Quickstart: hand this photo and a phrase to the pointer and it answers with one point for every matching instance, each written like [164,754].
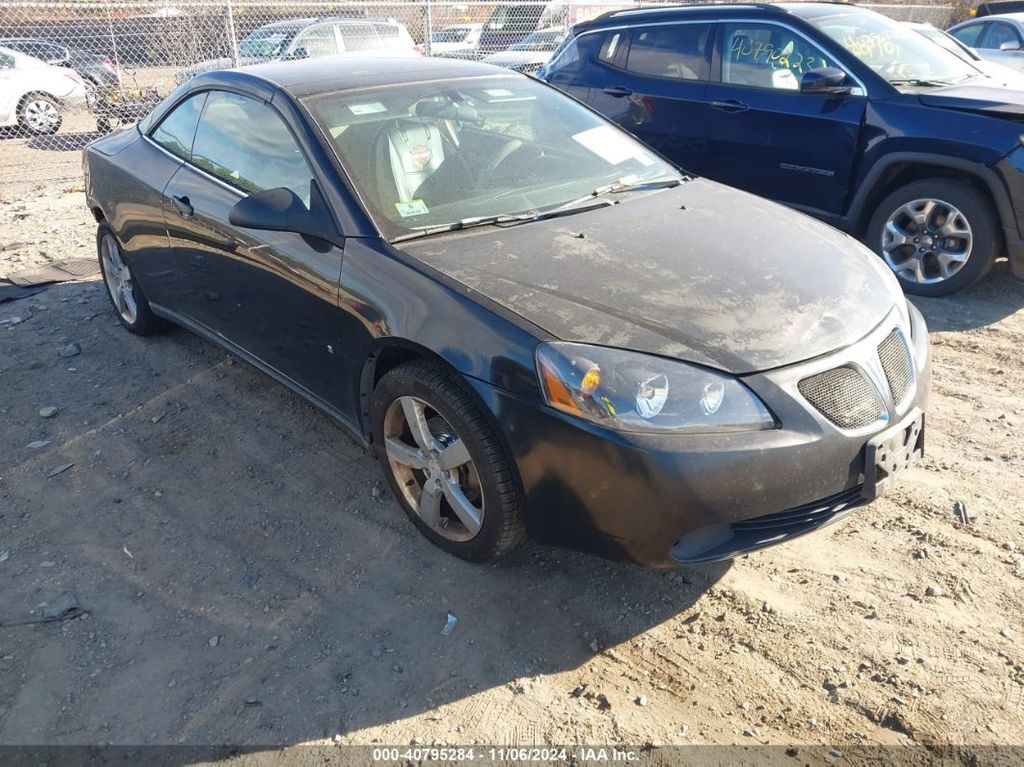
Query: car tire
[39,114]
[123,290]
[960,223]
[487,480]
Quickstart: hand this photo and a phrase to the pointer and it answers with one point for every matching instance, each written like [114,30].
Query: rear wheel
[124,292]
[445,463]
[39,113]
[937,235]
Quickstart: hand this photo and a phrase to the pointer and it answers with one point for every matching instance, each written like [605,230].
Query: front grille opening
[844,396]
[895,358]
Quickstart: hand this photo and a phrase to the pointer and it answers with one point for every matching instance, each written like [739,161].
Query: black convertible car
[538,325]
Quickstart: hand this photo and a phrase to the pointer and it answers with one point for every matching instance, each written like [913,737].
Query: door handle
[183,205]
[730,105]
[618,91]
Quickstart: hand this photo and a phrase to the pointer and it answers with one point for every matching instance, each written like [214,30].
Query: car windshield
[540,41]
[948,42]
[897,53]
[433,154]
[450,35]
[266,43]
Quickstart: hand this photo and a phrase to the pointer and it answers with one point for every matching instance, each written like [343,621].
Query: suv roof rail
[702,4]
[698,5]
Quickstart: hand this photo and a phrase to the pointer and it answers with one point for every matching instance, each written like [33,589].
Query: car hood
[702,272]
[513,59]
[977,97]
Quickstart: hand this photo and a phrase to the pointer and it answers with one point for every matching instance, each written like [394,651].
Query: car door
[166,146]
[9,91]
[652,80]
[270,294]
[1001,42]
[770,138]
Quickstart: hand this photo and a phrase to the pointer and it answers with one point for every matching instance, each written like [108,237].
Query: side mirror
[1009,45]
[827,80]
[299,53]
[281,210]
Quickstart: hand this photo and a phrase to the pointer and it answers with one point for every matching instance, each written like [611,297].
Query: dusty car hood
[702,272]
[989,99]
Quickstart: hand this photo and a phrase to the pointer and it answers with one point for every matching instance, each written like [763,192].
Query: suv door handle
[730,105]
[618,91]
[184,206]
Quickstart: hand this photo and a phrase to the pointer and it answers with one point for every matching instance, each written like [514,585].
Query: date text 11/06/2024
[582,754]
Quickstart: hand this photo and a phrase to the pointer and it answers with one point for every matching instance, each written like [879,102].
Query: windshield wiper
[505,218]
[617,186]
[920,83]
[596,199]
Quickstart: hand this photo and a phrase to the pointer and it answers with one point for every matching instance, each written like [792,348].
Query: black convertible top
[323,75]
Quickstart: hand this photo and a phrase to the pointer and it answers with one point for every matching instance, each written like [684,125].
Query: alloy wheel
[118,279]
[40,115]
[926,241]
[433,468]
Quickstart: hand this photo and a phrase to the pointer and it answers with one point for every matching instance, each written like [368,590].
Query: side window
[998,33]
[358,37]
[318,41]
[176,131]
[245,143]
[613,48]
[49,52]
[675,51]
[768,56]
[6,61]
[969,35]
[565,59]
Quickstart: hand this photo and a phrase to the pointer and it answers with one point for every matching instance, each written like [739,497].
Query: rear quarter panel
[125,177]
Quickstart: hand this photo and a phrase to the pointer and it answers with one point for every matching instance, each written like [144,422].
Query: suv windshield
[897,53]
[433,154]
[267,42]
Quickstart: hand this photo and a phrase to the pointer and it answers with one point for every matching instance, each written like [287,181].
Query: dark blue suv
[832,109]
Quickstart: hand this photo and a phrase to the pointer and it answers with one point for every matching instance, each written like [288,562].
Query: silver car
[995,38]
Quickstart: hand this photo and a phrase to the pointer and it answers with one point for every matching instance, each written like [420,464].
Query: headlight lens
[638,392]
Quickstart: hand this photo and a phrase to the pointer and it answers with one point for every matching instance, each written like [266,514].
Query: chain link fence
[71,70]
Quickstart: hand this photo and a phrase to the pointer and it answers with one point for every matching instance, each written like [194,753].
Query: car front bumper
[662,500]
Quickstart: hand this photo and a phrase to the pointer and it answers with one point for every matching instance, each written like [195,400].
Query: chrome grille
[844,396]
[895,359]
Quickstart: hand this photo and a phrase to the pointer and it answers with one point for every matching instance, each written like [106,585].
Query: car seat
[408,151]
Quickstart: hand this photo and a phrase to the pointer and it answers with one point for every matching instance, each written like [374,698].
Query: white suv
[313,38]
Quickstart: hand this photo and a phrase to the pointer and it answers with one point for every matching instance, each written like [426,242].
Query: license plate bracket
[889,454]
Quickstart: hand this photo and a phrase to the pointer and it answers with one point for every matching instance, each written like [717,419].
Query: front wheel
[937,235]
[445,464]
[39,114]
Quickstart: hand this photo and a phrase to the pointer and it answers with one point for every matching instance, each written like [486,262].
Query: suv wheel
[937,235]
[445,463]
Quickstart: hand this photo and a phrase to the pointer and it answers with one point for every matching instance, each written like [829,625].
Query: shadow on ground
[248,578]
[996,297]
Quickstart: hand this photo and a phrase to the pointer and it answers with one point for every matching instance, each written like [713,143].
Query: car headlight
[629,391]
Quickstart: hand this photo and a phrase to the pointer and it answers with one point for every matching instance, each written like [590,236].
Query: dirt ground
[248,580]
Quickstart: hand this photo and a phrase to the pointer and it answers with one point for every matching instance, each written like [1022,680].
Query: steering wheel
[511,157]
